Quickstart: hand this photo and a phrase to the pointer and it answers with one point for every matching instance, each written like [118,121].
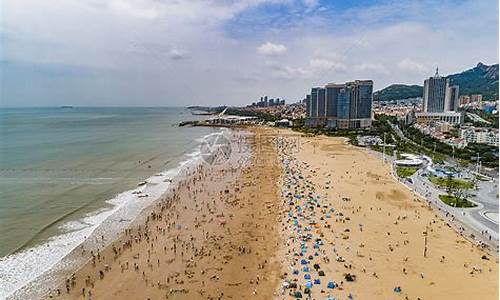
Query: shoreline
[223,241]
[125,209]
[297,215]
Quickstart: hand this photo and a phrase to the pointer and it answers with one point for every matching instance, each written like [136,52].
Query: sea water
[71,174]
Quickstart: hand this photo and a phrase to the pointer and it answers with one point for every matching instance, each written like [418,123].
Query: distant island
[482,79]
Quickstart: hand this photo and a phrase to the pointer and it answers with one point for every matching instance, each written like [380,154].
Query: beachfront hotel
[340,106]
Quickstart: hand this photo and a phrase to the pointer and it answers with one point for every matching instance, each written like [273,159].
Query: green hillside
[482,79]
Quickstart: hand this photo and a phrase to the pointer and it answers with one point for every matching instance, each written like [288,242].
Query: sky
[208,52]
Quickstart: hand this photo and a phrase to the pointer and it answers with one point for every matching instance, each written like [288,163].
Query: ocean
[65,172]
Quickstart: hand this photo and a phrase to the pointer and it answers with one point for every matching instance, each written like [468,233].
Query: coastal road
[484,197]
[473,219]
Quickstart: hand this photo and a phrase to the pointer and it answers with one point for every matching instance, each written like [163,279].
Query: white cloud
[177,54]
[311,3]
[410,65]
[371,68]
[282,71]
[173,43]
[319,64]
[271,49]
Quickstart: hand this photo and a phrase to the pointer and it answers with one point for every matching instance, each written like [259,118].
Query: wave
[31,273]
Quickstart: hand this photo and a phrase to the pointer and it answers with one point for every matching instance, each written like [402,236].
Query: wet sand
[324,215]
[368,233]
[213,238]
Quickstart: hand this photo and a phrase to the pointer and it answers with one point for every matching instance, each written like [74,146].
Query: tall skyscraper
[439,96]
[362,104]
[452,99]
[308,106]
[321,102]
[347,105]
[332,94]
[435,89]
[314,102]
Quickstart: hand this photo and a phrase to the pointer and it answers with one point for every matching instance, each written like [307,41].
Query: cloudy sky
[174,52]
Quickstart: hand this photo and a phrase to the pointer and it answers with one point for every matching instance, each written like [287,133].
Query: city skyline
[171,53]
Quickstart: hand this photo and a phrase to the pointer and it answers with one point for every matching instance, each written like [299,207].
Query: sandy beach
[352,231]
[212,238]
[306,216]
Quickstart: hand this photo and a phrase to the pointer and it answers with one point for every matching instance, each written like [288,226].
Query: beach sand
[214,239]
[371,227]
[240,233]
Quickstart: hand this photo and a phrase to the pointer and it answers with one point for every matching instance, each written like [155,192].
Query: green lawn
[456,202]
[443,182]
[405,171]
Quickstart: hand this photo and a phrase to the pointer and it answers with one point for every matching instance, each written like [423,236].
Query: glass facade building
[332,95]
[347,105]
[344,103]
[364,97]
[314,102]
[321,102]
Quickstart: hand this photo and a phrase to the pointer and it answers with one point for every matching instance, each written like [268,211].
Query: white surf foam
[32,272]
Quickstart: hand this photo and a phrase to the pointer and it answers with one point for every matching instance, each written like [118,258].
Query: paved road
[471,220]
[485,198]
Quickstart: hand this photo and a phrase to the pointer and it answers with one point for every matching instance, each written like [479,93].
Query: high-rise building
[308,106]
[347,105]
[321,102]
[452,102]
[435,89]
[441,101]
[332,95]
[361,104]
[314,102]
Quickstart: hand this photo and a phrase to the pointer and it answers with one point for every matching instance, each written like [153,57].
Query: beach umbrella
[397,289]
[307,276]
[305,269]
[321,273]
[317,281]
[331,285]
[303,262]
[309,284]
[297,295]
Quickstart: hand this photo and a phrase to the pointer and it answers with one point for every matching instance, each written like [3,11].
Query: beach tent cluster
[306,218]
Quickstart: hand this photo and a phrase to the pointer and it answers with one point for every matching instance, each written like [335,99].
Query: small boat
[142,183]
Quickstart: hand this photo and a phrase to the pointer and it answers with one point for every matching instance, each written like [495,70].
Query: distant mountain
[482,79]
[397,92]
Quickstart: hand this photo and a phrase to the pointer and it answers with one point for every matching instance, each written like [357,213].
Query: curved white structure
[409,160]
